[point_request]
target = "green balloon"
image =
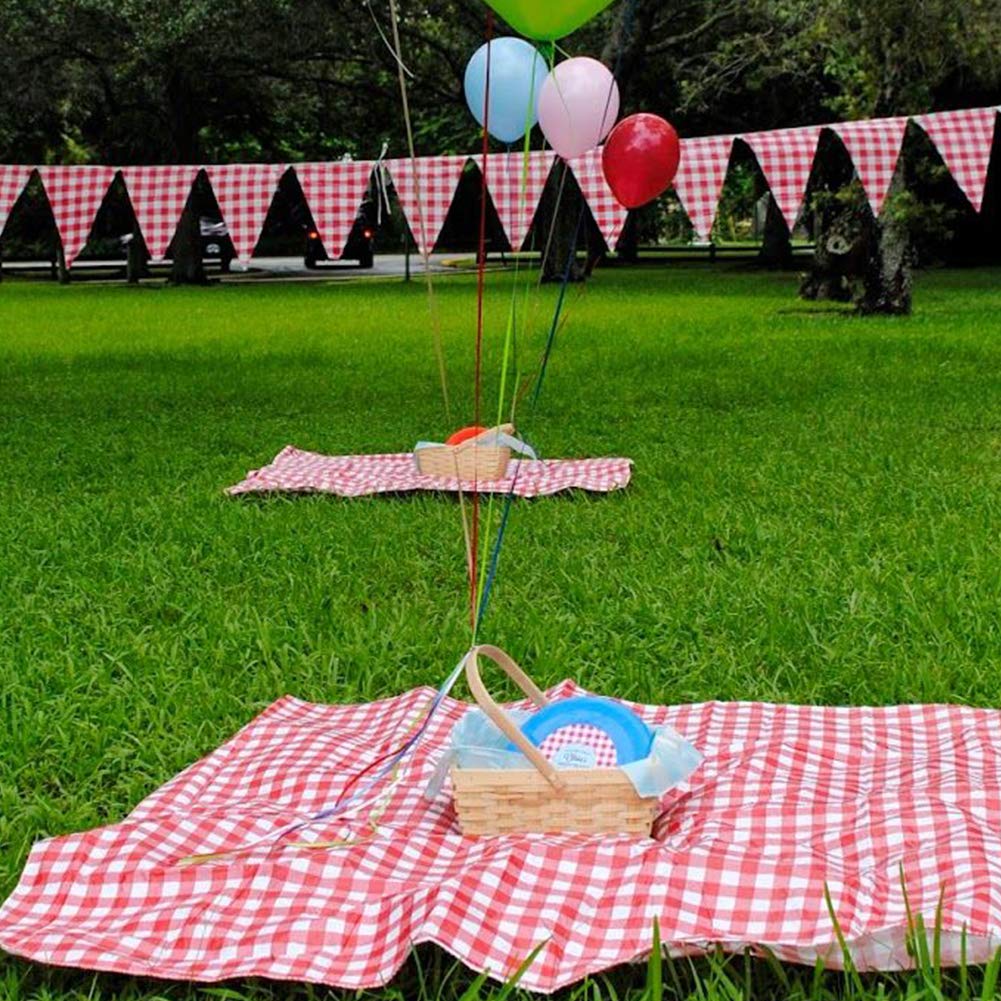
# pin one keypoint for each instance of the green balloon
(547, 19)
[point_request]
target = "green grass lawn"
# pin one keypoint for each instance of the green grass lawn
(814, 517)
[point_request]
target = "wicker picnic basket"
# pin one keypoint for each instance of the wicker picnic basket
(474, 459)
(541, 799)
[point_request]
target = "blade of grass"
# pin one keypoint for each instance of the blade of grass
(853, 981)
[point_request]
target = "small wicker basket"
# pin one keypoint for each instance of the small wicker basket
(471, 460)
(541, 799)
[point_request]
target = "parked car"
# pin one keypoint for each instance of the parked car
(216, 244)
(361, 242)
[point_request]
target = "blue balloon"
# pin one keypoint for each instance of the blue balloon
(517, 72)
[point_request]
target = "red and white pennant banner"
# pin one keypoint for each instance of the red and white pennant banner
(244, 192)
(964, 140)
(334, 193)
(426, 187)
(786, 159)
(605, 207)
(700, 178)
(158, 196)
(13, 178)
(516, 185)
(75, 195)
(874, 147)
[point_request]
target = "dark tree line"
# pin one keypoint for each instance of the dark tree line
(149, 81)
(146, 81)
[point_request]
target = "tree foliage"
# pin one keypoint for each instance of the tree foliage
(149, 81)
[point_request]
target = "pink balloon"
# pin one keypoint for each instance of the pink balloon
(578, 105)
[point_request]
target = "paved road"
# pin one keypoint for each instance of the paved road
(386, 266)
(263, 268)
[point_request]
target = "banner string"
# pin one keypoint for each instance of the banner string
(423, 249)
(509, 355)
(480, 291)
(491, 573)
(345, 803)
(425, 252)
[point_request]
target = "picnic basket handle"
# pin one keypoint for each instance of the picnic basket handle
(502, 429)
(498, 717)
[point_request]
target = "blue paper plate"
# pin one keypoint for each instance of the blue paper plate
(630, 735)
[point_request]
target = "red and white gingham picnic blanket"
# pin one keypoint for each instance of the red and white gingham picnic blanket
(789, 800)
(296, 471)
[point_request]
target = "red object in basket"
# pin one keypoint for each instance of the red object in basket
(465, 434)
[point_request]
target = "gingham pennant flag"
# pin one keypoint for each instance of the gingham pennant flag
(515, 188)
(334, 192)
(874, 147)
(432, 191)
(13, 178)
(75, 195)
(608, 212)
(700, 178)
(786, 159)
(244, 192)
(964, 140)
(158, 196)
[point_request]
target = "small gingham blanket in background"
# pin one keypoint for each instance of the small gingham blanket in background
(296, 471)
(789, 800)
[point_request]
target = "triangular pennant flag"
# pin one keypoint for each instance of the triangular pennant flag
(516, 185)
(13, 178)
(75, 195)
(608, 211)
(158, 196)
(874, 147)
(334, 192)
(964, 140)
(431, 190)
(700, 178)
(786, 159)
(244, 192)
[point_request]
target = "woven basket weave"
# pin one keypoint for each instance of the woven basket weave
(472, 460)
(541, 799)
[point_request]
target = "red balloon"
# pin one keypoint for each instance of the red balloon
(640, 159)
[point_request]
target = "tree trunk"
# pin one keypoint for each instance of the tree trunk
(563, 217)
(135, 264)
(839, 232)
(187, 267)
(185, 115)
(628, 249)
(561, 263)
(776, 247)
(625, 49)
(64, 271)
(886, 282)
